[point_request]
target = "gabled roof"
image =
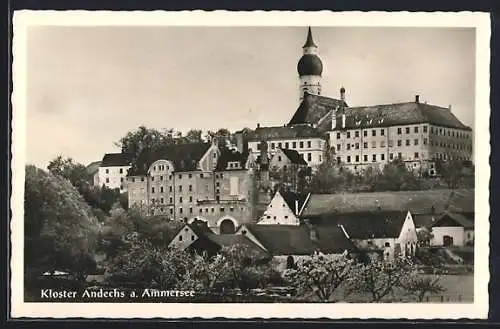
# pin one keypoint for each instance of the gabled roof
(418, 202)
(369, 225)
(229, 240)
(283, 132)
(294, 157)
(185, 157)
(313, 108)
(228, 155)
(200, 228)
(395, 114)
(290, 198)
(460, 219)
(295, 240)
(115, 160)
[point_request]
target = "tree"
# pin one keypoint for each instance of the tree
(76, 173)
(379, 278)
(319, 274)
(424, 237)
(60, 230)
(452, 172)
(193, 136)
(419, 286)
(396, 177)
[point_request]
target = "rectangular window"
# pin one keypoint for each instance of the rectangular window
(121, 170)
(399, 131)
(416, 155)
(301, 144)
(286, 145)
(180, 210)
(382, 157)
(190, 198)
(107, 171)
(161, 177)
(161, 189)
(201, 175)
(294, 145)
(339, 159)
(222, 209)
(348, 134)
(357, 158)
(309, 144)
(365, 133)
(279, 145)
(357, 146)
(190, 176)
(180, 199)
(407, 130)
(338, 147)
(309, 157)
(356, 134)
(365, 158)
(432, 129)
(407, 142)
(348, 158)
(180, 188)
(190, 210)
(374, 157)
(162, 200)
(190, 188)
(171, 211)
(400, 155)
(273, 146)
(170, 188)
(152, 178)
(374, 132)
(348, 146)
(170, 200)
(391, 156)
(152, 190)
(399, 142)
(415, 129)
(415, 142)
(365, 145)
(180, 176)
(338, 136)
(121, 179)
(107, 180)
(374, 144)
(382, 132)
(382, 144)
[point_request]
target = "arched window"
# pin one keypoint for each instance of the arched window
(227, 227)
(387, 244)
(290, 262)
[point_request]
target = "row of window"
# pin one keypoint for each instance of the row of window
(381, 132)
(357, 158)
(444, 156)
(293, 145)
(309, 157)
(171, 200)
(382, 144)
(170, 188)
(179, 176)
(449, 132)
(200, 210)
(458, 146)
(120, 170)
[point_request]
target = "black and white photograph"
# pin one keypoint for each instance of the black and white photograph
(170, 164)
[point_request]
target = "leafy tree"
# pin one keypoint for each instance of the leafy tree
(424, 237)
(419, 286)
(319, 274)
(452, 172)
(75, 172)
(193, 136)
(379, 278)
(60, 230)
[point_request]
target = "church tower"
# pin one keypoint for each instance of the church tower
(309, 68)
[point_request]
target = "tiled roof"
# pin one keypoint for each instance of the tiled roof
(313, 108)
(394, 114)
(229, 240)
(418, 202)
(200, 228)
(458, 218)
(425, 220)
(291, 197)
(184, 156)
(115, 160)
(369, 225)
(228, 155)
(295, 240)
(294, 157)
(283, 132)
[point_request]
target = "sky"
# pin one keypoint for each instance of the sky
(88, 86)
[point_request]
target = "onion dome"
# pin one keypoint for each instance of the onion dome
(310, 64)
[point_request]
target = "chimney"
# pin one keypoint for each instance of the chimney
(334, 120)
(449, 107)
(342, 94)
(343, 120)
(296, 207)
(417, 98)
(258, 125)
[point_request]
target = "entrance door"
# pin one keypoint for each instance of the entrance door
(447, 240)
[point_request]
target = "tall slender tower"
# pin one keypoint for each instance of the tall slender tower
(310, 68)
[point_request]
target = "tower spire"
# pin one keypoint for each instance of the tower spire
(309, 40)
